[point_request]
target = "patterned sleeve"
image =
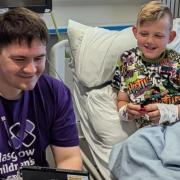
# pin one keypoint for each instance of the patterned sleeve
(174, 80)
(118, 82)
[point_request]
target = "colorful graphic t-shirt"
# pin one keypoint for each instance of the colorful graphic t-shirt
(43, 116)
(148, 82)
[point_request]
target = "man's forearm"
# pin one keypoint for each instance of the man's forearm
(75, 163)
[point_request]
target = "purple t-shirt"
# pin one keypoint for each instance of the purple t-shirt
(43, 116)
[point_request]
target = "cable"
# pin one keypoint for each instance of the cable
(56, 28)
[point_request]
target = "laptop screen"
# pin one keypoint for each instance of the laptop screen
(47, 173)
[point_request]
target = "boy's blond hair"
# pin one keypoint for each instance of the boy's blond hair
(152, 11)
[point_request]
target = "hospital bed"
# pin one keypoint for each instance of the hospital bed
(91, 54)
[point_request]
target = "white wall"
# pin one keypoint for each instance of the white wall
(94, 12)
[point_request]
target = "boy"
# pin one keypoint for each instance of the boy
(148, 80)
(35, 110)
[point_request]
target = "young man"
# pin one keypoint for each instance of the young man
(35, 109)
(148, 80)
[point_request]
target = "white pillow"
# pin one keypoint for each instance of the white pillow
(175, 44)
(96, 51)
(104, 118)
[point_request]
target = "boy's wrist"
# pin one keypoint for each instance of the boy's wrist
(169, 113)
(123, 113)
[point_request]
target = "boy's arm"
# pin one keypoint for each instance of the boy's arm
(127, 110)
(122, 99)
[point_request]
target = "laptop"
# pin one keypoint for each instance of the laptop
(47, 173)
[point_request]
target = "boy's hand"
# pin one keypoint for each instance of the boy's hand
(134, 111)
(153, 112)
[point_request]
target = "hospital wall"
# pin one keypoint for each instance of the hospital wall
(94, 12)
(114, 14)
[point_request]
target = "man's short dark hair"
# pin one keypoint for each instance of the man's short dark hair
(19, 25)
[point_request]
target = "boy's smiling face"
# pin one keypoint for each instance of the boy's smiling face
(153, 37)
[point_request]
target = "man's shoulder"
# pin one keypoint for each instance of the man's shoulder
(48, 84)
(48, 80)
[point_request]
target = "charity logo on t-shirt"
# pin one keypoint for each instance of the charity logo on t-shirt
(23, 155)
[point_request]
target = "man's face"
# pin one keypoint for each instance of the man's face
(21, 65)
